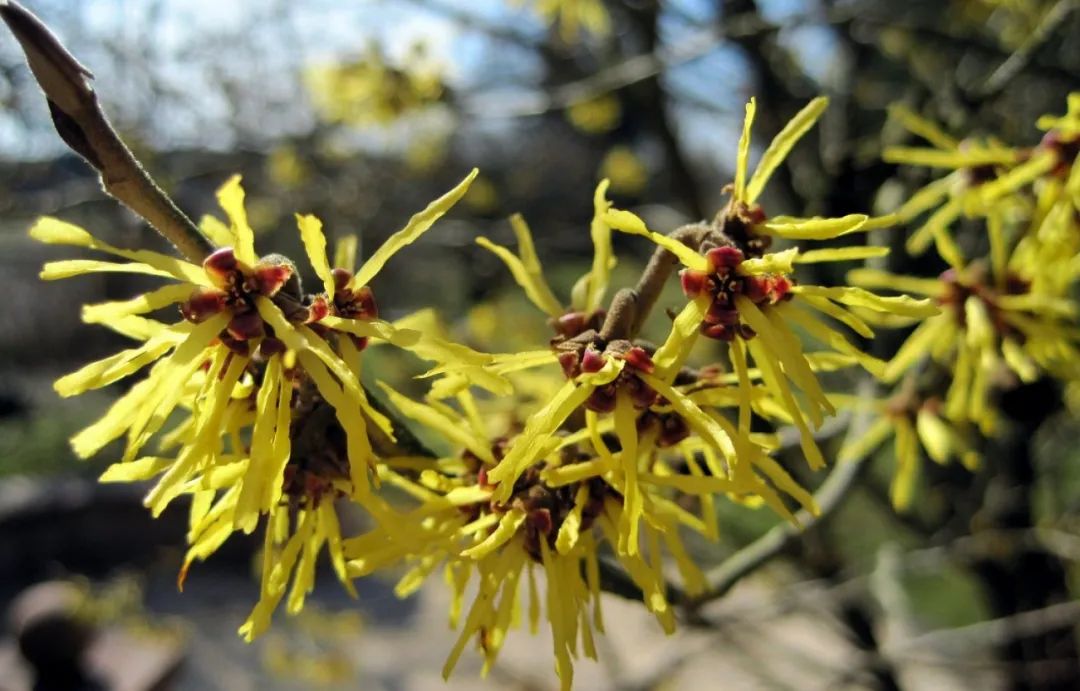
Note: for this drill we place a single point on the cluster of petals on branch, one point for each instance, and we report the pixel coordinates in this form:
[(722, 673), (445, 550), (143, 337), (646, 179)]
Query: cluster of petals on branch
[(1006, 222), (597, 441)]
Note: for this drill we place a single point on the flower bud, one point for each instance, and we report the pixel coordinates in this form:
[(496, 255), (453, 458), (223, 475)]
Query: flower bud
[(569, 324)]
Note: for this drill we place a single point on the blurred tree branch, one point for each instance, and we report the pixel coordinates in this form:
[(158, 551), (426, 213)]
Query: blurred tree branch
[(84, 127)]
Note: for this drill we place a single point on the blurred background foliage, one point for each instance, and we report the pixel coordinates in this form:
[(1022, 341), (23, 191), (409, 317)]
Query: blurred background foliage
[(361, 111)]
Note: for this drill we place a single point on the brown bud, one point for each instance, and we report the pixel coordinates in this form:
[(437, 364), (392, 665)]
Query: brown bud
[(569, 324)]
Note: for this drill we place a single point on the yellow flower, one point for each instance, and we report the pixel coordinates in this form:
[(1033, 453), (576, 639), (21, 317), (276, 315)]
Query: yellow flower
[(915, 422), (988, 323), (595, 115), (573, 17), (585, 310), (626, 170), (557, 515), (268, 375), (369, 90), (989, 180)]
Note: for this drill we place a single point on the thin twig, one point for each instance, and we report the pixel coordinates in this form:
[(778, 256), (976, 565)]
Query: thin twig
[(82, 124), (1019, 59)]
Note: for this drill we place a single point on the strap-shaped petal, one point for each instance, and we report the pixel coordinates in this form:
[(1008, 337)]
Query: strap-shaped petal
[(526, 268), (374, 328), (53, 231), (416, 227), (345, 252), (231, 197), (815, 228), (841, 254), (742, 159), (781, 145), (603, 256), (772, 263), (314, 240), (630, 223), (921, 127), (141, 304), (451, 429)]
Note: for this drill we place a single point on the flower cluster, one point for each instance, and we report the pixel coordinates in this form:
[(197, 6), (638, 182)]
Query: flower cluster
[(1008, 313), (274, 421), (598, 440)]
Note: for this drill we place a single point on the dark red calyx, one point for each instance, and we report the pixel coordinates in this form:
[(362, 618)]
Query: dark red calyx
[(592, 360), (269, 278), (341, 278), (317, 310), (245, 326), (570, 363), (602, 399), (203, 304), (221, 266), (723, 259), (639, 359), (673, 429), (720, 332), (364, 300), (720, 313), (694, 283), (270, 347), (540, 520), (641, 394)]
